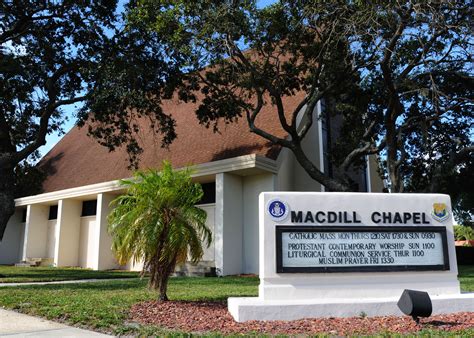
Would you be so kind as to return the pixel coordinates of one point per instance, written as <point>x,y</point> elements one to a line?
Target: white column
<point>68,232</point>
<point>25,234</point>
<point>228,224</point>
<point>36,231</point>
<point>253,185</point>
<point>209,253</point>
<point>105,258</point>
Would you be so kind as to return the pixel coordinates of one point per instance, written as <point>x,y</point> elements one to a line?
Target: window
<point>23,216</point>
<point>209,193</point>
<point>53,212</point>
<point>89,208</point>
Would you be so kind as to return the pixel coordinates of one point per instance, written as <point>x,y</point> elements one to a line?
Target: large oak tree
<point>398,74</point>
<point>58,53</point>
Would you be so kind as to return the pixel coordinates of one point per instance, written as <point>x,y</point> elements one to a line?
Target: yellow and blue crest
<point>440,212</point>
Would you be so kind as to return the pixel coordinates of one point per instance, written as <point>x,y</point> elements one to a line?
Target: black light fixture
<point>415,304</point>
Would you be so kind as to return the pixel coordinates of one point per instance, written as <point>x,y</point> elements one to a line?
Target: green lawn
<point>466,277</point>
<point>103,306</point>
<point>12,274</point>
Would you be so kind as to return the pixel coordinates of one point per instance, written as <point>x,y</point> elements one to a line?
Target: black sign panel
<point>310,249</point>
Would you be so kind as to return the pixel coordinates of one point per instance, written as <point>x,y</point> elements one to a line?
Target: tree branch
<point>40,138</point>
<point>251,116</point>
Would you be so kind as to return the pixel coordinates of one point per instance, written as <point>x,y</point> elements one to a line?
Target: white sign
<point>343,254</point>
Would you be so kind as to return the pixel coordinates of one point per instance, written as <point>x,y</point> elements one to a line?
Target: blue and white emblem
<point>440,212</point>
<point>278,210</point>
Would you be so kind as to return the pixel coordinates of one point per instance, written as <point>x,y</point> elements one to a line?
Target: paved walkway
<point>66,281</point>
<point>13,324</point>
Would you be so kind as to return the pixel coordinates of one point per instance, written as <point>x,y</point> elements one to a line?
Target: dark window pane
<point>23,216</point>
<point>326,137</point>
<point>365,174</point>
<point>209,193</point>
<point>53,212</point>
<point>89,208</point>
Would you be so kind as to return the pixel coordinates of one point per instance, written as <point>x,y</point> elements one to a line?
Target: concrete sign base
<point>254,308</point>
<point>351,254</point>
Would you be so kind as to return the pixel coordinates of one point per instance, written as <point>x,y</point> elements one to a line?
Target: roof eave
<point>234,164</point>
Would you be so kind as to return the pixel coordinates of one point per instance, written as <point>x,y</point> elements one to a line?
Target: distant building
<point>67,224</point>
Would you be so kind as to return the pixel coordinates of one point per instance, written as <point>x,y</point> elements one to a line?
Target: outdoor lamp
<point>415,304</point>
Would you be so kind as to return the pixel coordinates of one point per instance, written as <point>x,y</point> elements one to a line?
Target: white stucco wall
<point>11,245</point>
<point>21,244</point>
<point>68,232</point>
<point>133,266</point>
<point>286,164</point>
<point>36,231</point>
<point>301,180</point>
<point>87,242</point>
<point>209,253</point>
<point>291,176</point>
<point>105,259</point>
<point>228,224</point>
<point>376,182</point>
<point>252,187</point>
<point>51,240</point>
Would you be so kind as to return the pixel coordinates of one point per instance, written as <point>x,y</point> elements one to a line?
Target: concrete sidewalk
<point>13,324</point>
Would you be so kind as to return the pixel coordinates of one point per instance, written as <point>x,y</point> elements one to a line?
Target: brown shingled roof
<point>79,160</point>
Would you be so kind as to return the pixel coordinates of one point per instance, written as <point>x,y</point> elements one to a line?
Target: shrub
<point>463,233</point>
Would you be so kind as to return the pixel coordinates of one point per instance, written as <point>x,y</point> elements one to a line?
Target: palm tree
<point>156,221</point>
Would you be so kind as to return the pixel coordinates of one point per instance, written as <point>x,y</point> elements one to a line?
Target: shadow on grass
<point>466,270</point>
<point>59,277</point>
<point>99,285</point>
<point>10,274</point>
<point>179,289</point>
<point>229,280</point>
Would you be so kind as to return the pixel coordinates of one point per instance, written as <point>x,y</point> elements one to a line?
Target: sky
<point>70,111</point>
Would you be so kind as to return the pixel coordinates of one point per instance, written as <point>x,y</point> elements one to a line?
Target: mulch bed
<point>202,317</point>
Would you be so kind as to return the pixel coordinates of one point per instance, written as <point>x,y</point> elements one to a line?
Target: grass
<point>103,306</point>
<point>12,274</point>
<point>466,277</point>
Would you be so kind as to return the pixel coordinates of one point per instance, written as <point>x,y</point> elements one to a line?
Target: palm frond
<point>156,221</point>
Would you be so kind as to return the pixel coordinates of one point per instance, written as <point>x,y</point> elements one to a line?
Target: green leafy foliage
<point>76,54</point>
<point>463,233</point>
<point>156,222</point>
<point>28,179</point>
<point>396,78</point>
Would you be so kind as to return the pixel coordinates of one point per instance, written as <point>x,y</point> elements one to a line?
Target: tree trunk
<point>164,277</point>
<point>7,195</point>
<point>160,271</point>
<point>393,168</point>
<point>393,165</point>
<point>395,180</point>
<point>163,288</point>
<point>163,297</point>
<point>7,175</point>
